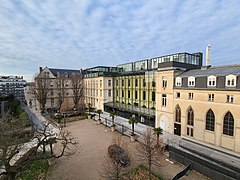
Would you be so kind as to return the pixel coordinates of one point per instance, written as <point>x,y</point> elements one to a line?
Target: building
<point>59,87</point>
<point>98,85</point>
<point>12,85</point>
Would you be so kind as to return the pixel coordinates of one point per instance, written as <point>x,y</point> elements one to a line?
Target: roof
<point>216,71</point>
<point>63,71</point>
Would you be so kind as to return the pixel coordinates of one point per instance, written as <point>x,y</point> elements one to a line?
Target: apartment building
<point>12,85</point>
<point>53,76</point>
<point>98,83</point>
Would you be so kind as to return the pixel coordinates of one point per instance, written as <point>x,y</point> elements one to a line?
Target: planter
<point>132,137</point>
<point>99,121</point>
<point>112,128</point>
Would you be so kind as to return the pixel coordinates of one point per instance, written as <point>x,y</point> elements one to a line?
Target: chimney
<point>208,55</point>
<point>40,69</point>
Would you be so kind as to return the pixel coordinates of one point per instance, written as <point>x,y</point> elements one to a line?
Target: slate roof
<point>216,71</point>
<point>63,71</point>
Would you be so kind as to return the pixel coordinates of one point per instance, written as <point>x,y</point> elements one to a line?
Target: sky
<point>78,34</point>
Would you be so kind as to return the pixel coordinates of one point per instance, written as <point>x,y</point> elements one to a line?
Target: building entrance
<point>177,129</point>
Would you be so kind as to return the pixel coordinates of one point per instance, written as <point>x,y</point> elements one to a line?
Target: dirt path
<point>93,142</point>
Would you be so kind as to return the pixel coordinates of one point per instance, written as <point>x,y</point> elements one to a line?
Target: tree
<point>132,121</point>
<point>61,89</point>
<point>158,131</point>
<point>78,90</point>
<point>99,112</point>
<point>41,90</point>
<point>147,151</point>
<point>113,115</point>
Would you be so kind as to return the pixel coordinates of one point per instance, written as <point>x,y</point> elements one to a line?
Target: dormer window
<point>178,81</point>
<point>211,81</point>
<point>66,74</point>
<point>191,81</point>
<point>58,74</point>
<point>231,81</point>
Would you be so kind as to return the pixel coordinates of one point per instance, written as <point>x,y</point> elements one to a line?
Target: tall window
<point>153,96</point>
<point>228,124</point>
<point>136,82</point>
<point>100,83</point>
<point>190,95</point>
<point>123,82</point>
<point>117,82</point>
<point>109,82</point>
<point>178,114</point>
<point>144,95</point>
<point>122,93</point>
<point>136,94</point>
<point>190,122</point>
<point>164,100</point>
<point>109,93</point>
<point>129,95</point>
<point>210,97</point>
<point>129,82</point>
<point>210,120</point>
<point>117,92</point>
<point>144,82</point>
<point>164,81</point>
<point>153,84</point>
<point>190,117</point>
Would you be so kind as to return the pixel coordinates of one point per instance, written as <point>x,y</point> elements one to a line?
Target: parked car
<point>117,153</point>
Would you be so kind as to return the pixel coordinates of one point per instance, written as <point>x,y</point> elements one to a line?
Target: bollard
<point>106,122</point>
<point>122,129</point>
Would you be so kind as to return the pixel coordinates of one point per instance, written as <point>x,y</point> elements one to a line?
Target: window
<point>100,83</point>
<point>136,82</point>
<point>66,84</point>
<point>231,81</point>
<point>164,100</point>
<point>117,82</point>
<point>153,84</point>
<point>109,93</point>
<point>178,95</point>
<point>129,82</point>
<point>178,114</point>
<point>229,98</point>
<point>178,81</point>
<point>101,93</point>
<point>153,96</point>
<point>122,93</point>
<point>144,95</point>
<point>210,120</point>
<point>122,82</point>
<point>52,102</point>
<point>210,97</point>
<point>51,83</point>
<point>191,81</point>
<point>190,117</point>
<point>129,94</point>
<point>190,131</point>
<point>211,80</point>
<point>190,95</point>
<point>144,82</point>
<point>109,82</point>
<point>228,124</point>
<point>136,94</point>
<point>117,92</point>
<point>51,93</point>
<point>164,81</point>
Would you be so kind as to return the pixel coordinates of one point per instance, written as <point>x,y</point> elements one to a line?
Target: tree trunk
<point>133,129</point>
<point>157,139</point>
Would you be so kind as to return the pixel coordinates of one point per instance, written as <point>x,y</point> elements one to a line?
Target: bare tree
<point>148,151</point>
<point>61,89</point>
<point>78,90</point>
<point>113,163</point>
<point>41,90</point>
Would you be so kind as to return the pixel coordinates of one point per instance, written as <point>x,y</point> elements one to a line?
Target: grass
<point>140,172</point>
<point>37,170</point>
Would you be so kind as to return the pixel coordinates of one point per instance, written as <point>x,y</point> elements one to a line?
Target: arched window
<point>210,120</point>
<point>190,117</point>
<point>228,124</point>
<point>178,114</point>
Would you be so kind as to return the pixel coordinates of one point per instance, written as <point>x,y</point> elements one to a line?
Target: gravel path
<point>93,142</point>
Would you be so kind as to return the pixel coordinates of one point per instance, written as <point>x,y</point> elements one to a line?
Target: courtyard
<point>93,141</point>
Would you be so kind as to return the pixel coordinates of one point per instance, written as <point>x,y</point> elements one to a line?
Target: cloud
<point>80,34</point>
